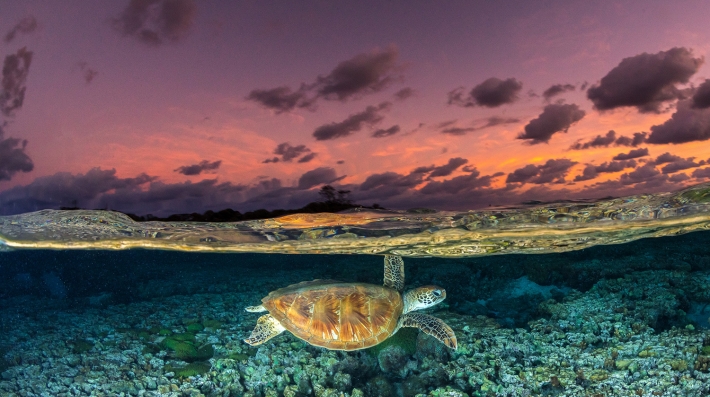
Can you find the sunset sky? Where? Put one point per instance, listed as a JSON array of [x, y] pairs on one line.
[[170, 106]]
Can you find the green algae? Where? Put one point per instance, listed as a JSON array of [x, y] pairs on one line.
[[406, 338], [192, 369], [184, 347], [214, 324], [195, 327], [82, 346]]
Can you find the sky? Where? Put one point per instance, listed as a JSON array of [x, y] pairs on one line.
[[174, 106]]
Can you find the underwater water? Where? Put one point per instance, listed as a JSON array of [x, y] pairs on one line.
[[606, 298]]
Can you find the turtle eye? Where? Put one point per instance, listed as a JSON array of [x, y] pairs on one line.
[[436, 293]]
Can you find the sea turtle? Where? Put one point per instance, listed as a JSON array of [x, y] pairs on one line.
[[350, 316]]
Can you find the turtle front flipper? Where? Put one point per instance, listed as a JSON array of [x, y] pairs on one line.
[[266, 328], [394, 272], [255, 309], [431, 326]]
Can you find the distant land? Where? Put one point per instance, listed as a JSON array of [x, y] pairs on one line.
[[334, 201]]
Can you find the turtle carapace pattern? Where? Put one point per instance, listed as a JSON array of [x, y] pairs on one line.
[[349, 316]]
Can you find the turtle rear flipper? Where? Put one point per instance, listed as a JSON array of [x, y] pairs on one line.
[[255, 309], [394, 272], [266, 328], [431, 326]]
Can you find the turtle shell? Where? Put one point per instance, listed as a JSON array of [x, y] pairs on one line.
[[336, 315]]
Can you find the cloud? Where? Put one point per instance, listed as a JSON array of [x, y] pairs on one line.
[[448, 168], [557, 89], [355, 122], [645, 81], [13, 159], [318, 176], [493, 92], [26, 25], [554, 170], [288, 152], [154, 22], [307, 158], [87, 73], [685, 125], [638, 138], [598, 141], [675, 163], [701, 98], [554, 118], [455, 185], [404, 93], [281, 99], [633, 154], [457, 130], [65, 189], [362, 74], [592, 171], [678, 178], [385, 133], [14, 75], [197, 169], [497, 120], [446, 126], [701, 173], [641, 174]]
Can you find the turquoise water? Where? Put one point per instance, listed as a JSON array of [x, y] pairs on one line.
[[627, 320]]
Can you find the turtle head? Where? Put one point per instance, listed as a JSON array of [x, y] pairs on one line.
[[423, 297]]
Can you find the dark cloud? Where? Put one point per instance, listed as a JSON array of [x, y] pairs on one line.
[[638, 138], [678, 178], [288, 152], [271, 160], [701, 98], [457, 130], [385, 133], [645, 81], [445, 124], [340, 162], [355, 122], [448, 168], [154, 22], [676, 163], [554, 118], [666, 158], [557, 89], [318, 176], [13, 158], [491, 93], [197, 169], [364, 73], [598, 141], [633, 154], [490, 122], [281, 99], [65, 189], [307, 158], [26, 25], [641, 174], [554, 170], [87, 72], [686, 125], [592, 171], [458, 184], [14, 75], [404, 93], [701, 173], [497, 120]]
